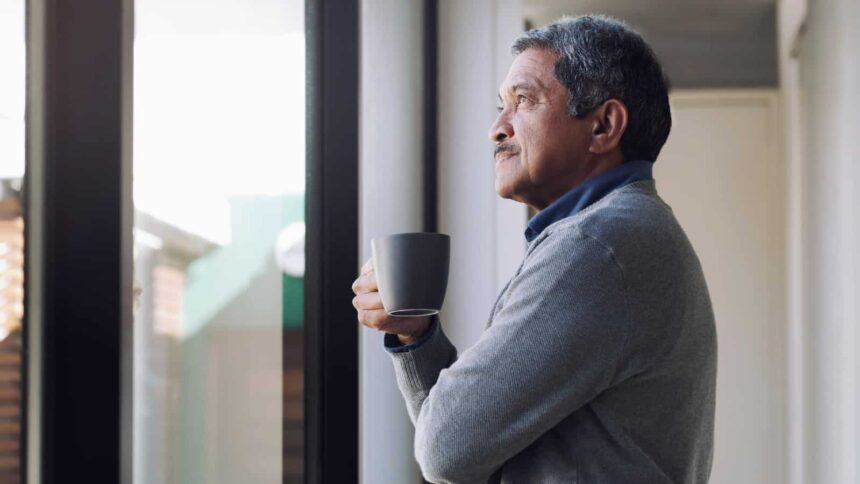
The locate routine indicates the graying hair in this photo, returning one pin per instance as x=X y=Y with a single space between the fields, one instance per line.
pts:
x=601 y=58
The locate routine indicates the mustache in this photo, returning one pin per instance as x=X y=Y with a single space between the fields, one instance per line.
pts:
x=506 y=147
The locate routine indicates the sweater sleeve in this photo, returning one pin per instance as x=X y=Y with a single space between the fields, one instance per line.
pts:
x=554 y=345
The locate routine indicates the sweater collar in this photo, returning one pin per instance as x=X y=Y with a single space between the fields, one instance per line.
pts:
x=588 y=192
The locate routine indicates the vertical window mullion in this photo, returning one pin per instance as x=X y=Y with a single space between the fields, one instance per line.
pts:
x=78 y=198
x=331 y=378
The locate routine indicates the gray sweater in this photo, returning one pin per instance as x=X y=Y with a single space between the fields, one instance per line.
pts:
x=597 y=365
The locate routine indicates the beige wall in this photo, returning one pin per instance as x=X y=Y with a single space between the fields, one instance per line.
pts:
x=721 y=170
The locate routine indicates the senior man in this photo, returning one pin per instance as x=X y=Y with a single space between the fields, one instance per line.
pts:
x=598 y=362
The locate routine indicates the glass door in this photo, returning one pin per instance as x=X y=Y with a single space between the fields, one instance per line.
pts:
x=219 y=260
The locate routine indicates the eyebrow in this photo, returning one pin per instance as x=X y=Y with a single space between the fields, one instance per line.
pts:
x=524 y=86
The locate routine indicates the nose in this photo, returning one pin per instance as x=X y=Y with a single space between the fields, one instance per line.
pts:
x=501 y=130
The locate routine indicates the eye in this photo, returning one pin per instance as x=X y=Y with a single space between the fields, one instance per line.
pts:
x=521 y=99
x=499 y=109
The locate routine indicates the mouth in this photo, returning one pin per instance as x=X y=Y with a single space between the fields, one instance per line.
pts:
x=504 y=155
x=503 y=151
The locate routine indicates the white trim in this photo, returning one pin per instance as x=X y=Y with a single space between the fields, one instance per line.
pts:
x=791 y=22
x=795 y=261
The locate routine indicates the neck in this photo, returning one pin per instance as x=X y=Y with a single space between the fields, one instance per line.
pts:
x=591 y=168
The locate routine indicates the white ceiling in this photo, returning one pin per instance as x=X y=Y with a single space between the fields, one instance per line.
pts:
x=700 y=43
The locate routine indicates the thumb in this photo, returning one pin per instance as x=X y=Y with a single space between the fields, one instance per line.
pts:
x=367 y=267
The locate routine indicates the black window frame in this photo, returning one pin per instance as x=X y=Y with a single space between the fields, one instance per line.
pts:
x=331 y=242
x=78 y=241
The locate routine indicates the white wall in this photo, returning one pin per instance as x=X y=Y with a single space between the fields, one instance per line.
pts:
x=391 y=146
x=821 y=84
x=487 y=242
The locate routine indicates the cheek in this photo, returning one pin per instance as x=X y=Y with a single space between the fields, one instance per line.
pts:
x=535 y=134
x=535 y=154
x=526 y=139
x=554 y=140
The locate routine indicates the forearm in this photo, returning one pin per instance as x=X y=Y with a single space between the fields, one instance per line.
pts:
x=417 y=369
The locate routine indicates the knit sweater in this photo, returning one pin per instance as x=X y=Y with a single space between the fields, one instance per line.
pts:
x=597 y=363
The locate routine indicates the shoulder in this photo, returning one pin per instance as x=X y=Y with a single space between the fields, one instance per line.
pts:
x=630 y=221
x=564 y=251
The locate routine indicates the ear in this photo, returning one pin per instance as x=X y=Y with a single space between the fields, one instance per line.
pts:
x=609 y=121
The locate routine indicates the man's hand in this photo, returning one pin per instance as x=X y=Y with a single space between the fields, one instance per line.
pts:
x=372 y=314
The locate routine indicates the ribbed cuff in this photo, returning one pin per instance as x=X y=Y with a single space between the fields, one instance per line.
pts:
x=418 y=369
x=392 y=342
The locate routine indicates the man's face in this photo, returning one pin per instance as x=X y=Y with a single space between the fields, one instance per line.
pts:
x=540 y=150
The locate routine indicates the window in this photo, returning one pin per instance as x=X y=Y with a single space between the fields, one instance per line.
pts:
x=219 y=181
x=185 y=321
x=12 y=55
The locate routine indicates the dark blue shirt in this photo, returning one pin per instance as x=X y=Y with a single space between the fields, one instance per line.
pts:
x=574 y=200
x=586 y=193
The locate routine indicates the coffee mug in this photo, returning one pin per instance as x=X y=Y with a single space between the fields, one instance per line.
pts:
x=411 y=272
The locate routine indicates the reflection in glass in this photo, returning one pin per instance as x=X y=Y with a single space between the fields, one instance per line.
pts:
x=219 y=177
x=12 y=95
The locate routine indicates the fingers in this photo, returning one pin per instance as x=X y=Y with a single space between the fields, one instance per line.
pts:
x=374 y=318
x=365 y=283
x=368 y=304
x=367 y=301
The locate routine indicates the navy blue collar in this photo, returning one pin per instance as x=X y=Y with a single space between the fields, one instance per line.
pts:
x=588 y=192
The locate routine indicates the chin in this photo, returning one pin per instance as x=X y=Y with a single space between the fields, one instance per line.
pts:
x=502 y=190
x=506 y=192
x=509 y=180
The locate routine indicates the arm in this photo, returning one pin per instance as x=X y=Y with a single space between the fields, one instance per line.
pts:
x=555 y=344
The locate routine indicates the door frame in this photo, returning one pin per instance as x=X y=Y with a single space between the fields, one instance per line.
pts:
x=331 y=243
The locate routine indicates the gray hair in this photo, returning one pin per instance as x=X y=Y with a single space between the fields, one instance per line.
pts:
x=601 y=58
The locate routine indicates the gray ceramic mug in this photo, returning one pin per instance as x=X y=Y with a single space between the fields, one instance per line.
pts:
x=412 y=272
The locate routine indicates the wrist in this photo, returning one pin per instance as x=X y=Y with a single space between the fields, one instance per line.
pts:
x=409 y=338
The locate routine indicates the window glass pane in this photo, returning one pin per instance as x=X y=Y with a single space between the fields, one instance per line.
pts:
x=12 y=66
x=219 y=175
x=12 y=95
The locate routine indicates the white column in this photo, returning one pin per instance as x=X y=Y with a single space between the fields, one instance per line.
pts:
x=826 y=90
x=486 y=232
x=390 y=194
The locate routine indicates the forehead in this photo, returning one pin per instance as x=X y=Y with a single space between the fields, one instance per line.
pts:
x=535 y=67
